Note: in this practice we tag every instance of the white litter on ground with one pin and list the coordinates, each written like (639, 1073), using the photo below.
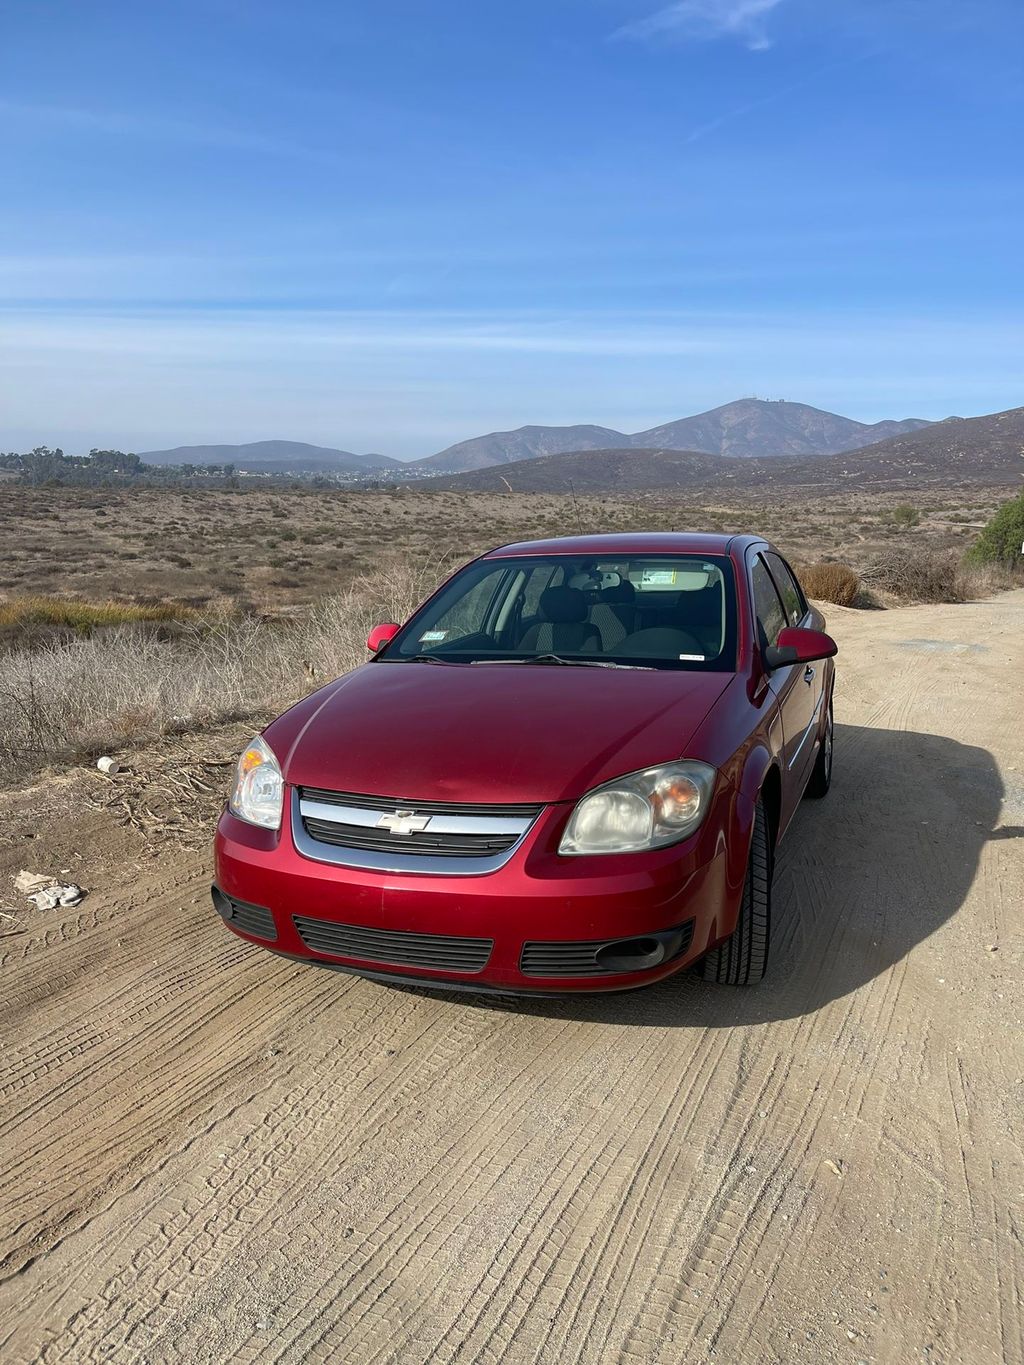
(47, 893)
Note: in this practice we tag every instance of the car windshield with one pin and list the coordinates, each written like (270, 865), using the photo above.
(626, 611)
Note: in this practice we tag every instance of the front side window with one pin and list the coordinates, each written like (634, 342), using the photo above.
(674, 611)
(768, 609)
(789, 589)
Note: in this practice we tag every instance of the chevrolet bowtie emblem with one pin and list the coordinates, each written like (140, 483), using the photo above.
(403, 822)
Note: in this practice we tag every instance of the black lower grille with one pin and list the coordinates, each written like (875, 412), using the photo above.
(251, 919)
(583, 957)
(423, 841)
(391, 947)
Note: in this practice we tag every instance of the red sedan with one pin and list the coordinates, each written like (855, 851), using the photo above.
(568, 771)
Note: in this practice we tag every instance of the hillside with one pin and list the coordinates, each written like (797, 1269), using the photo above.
(976, 450)
(745, 429)
(752, 427)
(525, 443)
(272, 456)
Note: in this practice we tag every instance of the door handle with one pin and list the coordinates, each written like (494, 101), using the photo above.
(808, 675)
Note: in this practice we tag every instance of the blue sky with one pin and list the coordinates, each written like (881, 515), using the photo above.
(389, 225)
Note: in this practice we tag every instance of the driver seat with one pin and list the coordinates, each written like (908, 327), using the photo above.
(563, 627)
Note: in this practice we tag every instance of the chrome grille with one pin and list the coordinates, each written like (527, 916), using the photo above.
(407, 835)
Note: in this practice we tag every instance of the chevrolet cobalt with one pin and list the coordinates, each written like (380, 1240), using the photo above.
(569, 770)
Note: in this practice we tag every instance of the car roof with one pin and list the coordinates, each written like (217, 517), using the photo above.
(629, 543)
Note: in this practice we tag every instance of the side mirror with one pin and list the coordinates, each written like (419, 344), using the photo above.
(380, 635)
(798, 645)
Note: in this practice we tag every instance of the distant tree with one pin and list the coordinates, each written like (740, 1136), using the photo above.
(905, 516)
(1001, 540)
(115, 461)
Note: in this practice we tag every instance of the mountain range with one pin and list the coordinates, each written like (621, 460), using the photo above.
(747, 429)
(985, 450)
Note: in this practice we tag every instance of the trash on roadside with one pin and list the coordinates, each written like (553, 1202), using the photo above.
(108, 765)
(47, 893)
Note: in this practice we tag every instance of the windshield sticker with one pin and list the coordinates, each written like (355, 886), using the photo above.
(694, 658)
(658, 578)
(432, 636)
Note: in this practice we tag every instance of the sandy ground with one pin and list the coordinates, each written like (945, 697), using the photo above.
(210, 1154)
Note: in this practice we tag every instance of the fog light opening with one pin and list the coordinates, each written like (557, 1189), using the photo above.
(221, 904)
(631, 955)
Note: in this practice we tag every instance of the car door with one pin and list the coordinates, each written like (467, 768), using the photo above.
(798, 614)
(796, 693)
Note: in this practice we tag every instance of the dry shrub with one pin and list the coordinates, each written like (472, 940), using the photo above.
(830, 583)
(917, 575)
(83, 695)
(982, 580)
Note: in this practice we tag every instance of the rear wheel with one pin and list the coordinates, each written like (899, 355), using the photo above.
(742, 959)
(821, 777)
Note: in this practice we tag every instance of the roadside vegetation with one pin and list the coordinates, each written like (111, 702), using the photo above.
(830, 583)
(87, 616)
(180, 610)
(73, 699)
(1002, 540)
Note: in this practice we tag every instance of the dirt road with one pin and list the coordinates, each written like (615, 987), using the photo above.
(210, 1154)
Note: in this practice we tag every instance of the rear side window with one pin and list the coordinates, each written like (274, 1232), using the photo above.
(789, 589)
(768, 608)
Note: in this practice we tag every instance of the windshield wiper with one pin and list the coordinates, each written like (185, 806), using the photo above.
(416, 659)
(560, 659)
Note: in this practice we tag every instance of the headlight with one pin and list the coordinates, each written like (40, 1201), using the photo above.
(643, 810)
(259, 787)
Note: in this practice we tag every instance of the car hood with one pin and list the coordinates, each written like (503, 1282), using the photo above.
(489, 733)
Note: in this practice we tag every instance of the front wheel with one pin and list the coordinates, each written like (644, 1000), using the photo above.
(821, 777)
(742, 959)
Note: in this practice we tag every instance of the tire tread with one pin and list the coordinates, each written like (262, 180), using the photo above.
(742, 959)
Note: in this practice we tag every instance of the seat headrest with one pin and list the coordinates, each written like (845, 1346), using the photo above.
(623, 591)
(563, 605)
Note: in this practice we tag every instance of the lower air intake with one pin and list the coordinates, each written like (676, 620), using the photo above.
(603, 956)
(393, 948)
(250, 919)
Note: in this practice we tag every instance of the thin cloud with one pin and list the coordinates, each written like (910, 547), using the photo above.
(783, 92)
(702, 20)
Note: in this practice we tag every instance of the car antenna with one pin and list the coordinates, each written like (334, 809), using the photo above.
(576, 507)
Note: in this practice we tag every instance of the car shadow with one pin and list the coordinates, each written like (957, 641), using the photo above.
(862, 878)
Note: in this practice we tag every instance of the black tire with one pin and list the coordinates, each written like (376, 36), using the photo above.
(821, 777)
(742, 959)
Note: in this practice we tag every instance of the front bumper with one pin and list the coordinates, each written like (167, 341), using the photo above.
(682, 898)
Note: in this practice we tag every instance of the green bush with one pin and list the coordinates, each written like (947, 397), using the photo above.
(1001, 540)
(905, 516)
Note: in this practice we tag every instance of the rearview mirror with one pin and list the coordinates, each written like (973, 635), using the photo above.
(380, 635)
(798, 645)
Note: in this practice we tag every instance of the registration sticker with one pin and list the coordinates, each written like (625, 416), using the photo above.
(433, 636)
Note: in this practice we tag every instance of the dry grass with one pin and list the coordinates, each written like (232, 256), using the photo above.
(75, 698)
(278, 550)
(93, 674)
(830, 583)
(86, 616)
